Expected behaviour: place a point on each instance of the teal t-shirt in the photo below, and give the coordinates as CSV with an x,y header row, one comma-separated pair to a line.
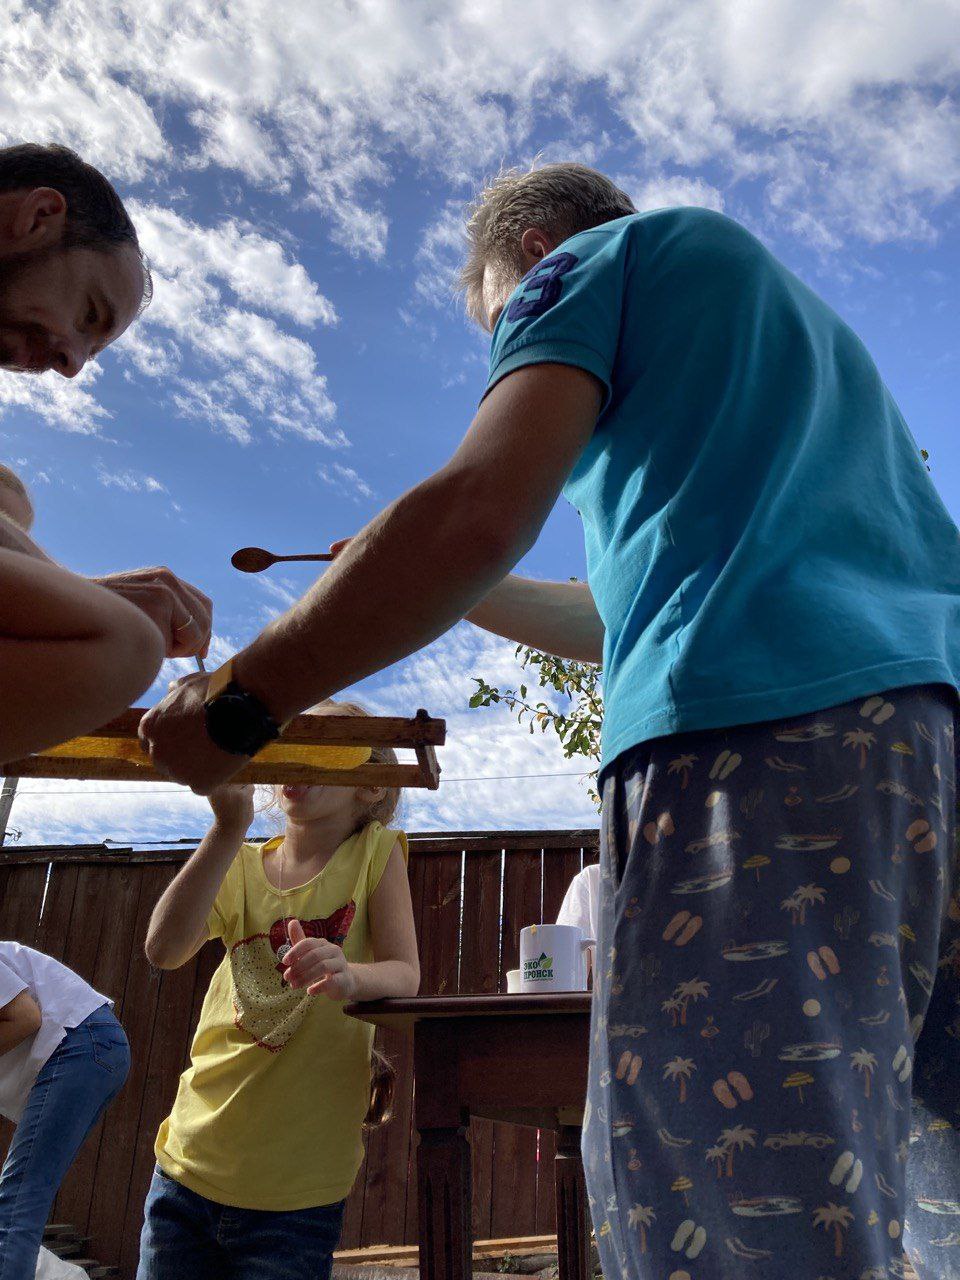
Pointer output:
x,y
762,536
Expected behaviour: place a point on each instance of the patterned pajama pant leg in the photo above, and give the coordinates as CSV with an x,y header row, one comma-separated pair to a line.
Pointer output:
x,y
775,1066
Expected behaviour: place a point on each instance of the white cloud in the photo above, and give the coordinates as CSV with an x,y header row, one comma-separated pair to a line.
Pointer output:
x,y
842,118
346,481
67,404
440,254
255,371
853,100
194,400
254,267
668,191
61,82
281,589
514,778
129,481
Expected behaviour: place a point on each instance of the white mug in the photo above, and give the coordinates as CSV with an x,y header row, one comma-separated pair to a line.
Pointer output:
x,y
513,982
553,958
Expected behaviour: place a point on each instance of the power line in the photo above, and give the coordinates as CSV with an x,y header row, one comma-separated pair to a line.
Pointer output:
x,y
185,794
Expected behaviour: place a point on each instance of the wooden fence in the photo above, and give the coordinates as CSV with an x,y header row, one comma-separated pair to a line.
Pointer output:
x,y
472,894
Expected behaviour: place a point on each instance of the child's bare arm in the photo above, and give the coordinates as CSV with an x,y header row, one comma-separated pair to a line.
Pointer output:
x,y
19,1020
395,970
178,925
323,969
72,654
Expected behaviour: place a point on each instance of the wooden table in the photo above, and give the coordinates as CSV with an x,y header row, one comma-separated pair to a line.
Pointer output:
x,y
517,1058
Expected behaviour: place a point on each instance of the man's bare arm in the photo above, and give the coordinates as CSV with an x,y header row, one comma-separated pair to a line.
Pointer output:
x,y
19,1020
411,574
557,617
72,655
417,568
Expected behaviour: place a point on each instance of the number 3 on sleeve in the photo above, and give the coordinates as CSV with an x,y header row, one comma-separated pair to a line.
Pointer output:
x,y
547,276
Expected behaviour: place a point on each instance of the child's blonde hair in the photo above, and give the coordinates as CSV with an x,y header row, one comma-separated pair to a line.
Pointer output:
x,y
383,810
10,481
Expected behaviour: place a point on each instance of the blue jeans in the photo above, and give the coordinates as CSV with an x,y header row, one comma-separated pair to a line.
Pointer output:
x,y
187,1237
70,1094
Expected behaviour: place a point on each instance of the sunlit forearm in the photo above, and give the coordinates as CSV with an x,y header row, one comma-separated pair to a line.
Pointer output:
x,y
557,617
382,599
434,554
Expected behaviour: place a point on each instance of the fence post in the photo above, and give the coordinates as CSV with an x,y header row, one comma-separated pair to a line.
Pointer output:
x,y
6,804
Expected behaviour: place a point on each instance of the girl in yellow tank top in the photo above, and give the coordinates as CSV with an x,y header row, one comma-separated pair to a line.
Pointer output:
x,y
263,1141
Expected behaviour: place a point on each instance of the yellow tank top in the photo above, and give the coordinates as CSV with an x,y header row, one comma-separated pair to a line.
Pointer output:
x,y
268,1115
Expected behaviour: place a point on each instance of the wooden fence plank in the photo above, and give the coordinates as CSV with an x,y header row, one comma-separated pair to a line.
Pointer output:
x,y
480,972
397,1151
418,874
58,908
171,1027
514,1194
559,868
120,955
124,1123
22,889
97,947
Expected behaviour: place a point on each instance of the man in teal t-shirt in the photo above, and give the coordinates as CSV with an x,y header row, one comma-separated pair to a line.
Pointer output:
x,y
762,535
779,590
774,592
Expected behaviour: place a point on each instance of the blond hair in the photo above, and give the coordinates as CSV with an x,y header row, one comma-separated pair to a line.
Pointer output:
x,y
383,810
11,481
560,199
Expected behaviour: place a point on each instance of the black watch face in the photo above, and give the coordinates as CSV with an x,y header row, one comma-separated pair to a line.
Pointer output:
x,y
234,725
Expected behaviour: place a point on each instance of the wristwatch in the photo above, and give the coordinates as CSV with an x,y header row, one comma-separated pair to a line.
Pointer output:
x,y
237,721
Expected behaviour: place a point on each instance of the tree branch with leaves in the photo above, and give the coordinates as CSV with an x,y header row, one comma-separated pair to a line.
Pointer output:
x,y
577,724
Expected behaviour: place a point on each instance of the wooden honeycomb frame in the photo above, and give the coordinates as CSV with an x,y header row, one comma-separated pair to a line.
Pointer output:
x,y
126,763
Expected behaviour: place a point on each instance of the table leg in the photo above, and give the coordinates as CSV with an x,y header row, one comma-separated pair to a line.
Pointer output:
x,y
573,1211
444,1204
444,1184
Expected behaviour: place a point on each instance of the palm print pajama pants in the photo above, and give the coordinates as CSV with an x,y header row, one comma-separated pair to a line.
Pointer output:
x,y
775,1062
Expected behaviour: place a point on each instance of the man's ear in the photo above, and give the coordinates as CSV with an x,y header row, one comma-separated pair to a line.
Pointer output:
x,y
40,218
536,244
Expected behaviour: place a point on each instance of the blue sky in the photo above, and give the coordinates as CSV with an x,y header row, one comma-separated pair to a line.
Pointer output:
x,y
299,187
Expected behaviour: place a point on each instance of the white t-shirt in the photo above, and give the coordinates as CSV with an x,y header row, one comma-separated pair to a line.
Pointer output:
x,y
64,1000
581,904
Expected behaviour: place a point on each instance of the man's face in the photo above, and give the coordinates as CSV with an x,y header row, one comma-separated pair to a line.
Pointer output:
x,y
60,307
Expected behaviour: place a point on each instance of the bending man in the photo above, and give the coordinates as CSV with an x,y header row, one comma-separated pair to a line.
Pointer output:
x,y
777,592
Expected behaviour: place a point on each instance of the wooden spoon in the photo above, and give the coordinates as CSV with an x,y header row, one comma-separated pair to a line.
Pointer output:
x,y
255,559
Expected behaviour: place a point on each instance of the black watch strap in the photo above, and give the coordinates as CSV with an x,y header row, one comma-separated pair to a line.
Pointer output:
x,y
238,722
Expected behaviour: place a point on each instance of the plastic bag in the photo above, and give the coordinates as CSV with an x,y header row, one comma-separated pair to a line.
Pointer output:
x,y
50,1267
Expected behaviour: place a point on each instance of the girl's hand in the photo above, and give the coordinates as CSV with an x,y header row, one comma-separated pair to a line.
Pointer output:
x,y
318,965
232,807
